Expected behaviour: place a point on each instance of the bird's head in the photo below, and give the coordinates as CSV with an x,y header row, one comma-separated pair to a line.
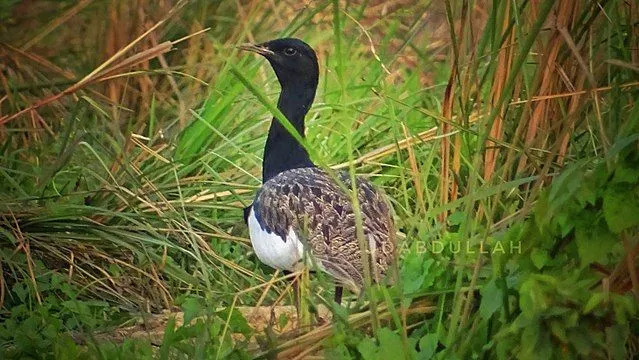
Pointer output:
x,y
293,60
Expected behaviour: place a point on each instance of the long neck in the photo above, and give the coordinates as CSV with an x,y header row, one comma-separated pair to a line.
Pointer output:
x,y
282,152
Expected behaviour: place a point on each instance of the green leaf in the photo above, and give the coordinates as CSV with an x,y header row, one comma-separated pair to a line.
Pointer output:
x,y
427,346
457,218
580,340
237,321
616,338
621,207
594,242
414,271
567,183
565,221
621,144
625,307
626,173
588,192
282,320
491,299
558,330
167,339
191,308
367,349
533,299
594,301
390,344
542,211
539,257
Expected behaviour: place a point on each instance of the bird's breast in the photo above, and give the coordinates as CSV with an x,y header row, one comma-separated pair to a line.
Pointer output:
x,y
272,249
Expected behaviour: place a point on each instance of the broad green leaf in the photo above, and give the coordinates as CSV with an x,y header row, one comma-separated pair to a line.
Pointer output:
x,y
588,192
580,341
621,207
414,271
390,344
533,299
594,301
558,330
616,338
626,173
367,349
492,298
427,346
594,243
237,321
539,257
191,308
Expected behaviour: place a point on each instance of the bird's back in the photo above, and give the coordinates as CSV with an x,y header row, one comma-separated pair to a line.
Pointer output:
x,y
306,206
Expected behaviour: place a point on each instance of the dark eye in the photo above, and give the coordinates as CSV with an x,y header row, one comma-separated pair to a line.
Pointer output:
x,y
290,51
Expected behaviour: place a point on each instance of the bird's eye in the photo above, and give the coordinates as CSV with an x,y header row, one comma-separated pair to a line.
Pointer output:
x,y
290,51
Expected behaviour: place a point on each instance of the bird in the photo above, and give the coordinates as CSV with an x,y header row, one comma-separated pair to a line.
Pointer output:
x,y
301,212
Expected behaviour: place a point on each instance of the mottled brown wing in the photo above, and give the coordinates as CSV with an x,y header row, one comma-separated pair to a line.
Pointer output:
x,y
321,213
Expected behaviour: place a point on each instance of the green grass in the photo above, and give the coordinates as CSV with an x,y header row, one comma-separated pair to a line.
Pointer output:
x,y
126,197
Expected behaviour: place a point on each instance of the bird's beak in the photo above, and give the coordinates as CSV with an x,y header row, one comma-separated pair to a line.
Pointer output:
x,y
260,49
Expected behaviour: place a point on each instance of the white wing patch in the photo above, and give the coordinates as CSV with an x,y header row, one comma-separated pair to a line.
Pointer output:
x,y
272,250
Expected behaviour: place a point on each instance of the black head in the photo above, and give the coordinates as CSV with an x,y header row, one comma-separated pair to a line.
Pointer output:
x,y
293,60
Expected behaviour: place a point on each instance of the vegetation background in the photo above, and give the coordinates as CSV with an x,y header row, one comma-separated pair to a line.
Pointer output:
x,y
131,138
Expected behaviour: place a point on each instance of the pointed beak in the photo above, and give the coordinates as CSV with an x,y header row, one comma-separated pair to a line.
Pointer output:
x,y
260,49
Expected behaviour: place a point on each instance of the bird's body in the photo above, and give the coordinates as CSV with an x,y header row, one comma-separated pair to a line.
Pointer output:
x,y
300,209
305,208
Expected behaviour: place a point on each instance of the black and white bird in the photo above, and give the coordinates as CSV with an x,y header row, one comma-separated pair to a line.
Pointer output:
x,y
300,210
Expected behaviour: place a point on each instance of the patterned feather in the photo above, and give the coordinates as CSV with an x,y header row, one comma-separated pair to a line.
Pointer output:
x,y
320,213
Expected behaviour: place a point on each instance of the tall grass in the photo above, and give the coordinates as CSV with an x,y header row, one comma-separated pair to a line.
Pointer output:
x,y
126,185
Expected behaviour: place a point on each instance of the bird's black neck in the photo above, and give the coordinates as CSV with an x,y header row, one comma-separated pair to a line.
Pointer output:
x,y
282,152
